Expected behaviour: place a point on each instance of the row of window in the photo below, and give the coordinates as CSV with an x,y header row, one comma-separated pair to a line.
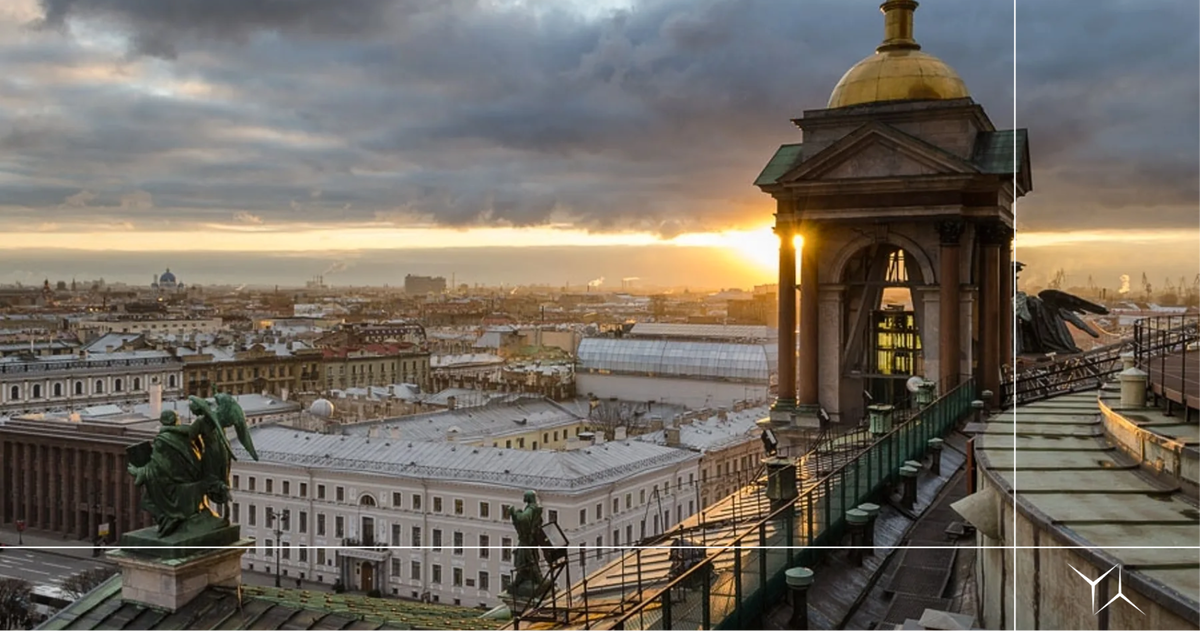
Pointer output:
x,y
241,374
484,510
483,549
339,531
58,388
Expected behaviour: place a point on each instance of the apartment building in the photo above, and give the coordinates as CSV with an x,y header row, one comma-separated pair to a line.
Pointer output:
x,y
430,519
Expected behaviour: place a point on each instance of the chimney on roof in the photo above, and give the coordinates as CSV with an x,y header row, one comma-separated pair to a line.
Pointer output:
x,y
722,414
656,423
156,398
672,436
283,394
451,402
620,433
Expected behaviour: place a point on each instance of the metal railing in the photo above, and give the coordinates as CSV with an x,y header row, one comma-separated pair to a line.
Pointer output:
x,y
1067,374
1164,346
735,582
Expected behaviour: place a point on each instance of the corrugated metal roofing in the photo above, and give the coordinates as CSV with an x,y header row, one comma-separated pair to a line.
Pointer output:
x,y
712,433
471,423
510,468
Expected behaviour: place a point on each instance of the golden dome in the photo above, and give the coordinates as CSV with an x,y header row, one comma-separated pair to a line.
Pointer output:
x,y
898,71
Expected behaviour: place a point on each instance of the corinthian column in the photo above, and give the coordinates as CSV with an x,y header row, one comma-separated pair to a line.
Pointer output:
x,y
949,324
785,401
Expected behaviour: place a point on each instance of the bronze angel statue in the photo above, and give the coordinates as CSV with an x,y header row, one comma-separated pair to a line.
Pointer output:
x,y
185,471
1042,320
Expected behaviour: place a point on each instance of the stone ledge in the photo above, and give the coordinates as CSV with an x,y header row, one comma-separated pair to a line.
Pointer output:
x,y
1166,458
171,583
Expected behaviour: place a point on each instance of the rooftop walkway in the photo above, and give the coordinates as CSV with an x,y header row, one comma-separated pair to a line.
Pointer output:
x,y
1099,491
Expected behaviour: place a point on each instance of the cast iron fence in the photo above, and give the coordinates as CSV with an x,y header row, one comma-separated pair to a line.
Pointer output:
x,y
1166,348
735,582
1063,375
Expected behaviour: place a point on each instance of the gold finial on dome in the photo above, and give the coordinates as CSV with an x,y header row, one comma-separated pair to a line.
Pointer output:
x,y
898,71
898,26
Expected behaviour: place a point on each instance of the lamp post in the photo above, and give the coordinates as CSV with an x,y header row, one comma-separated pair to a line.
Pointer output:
x,y
280,521
96,508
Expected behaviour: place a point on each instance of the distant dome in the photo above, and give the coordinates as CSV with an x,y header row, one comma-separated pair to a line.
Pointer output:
x,y
166,278
322,408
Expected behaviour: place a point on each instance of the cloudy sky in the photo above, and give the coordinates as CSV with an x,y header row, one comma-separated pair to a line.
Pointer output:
x,y
354,135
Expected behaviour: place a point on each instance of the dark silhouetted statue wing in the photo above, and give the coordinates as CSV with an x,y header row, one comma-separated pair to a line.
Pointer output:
x,y
1062,300
1078,322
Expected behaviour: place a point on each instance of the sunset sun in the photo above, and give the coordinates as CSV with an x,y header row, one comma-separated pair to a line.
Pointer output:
x,y
759,246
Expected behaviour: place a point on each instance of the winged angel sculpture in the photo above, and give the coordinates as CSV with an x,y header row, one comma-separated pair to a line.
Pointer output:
x,y
185,471
1042,320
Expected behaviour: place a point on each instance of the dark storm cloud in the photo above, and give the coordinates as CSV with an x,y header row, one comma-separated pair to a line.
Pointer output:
x,y
468,112
158,25
1112,102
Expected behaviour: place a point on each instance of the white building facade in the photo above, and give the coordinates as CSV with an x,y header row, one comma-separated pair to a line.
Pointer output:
x,y
68,382
430,519
158,327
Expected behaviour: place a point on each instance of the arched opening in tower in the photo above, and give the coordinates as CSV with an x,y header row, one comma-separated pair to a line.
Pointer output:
x,y
883,326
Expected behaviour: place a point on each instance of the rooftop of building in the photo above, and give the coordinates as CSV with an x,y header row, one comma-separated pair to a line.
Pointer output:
x,y
112,340
402,391
465,360
709,433
140,415
1069,476
263,608
678,358
495,420
230,351
369,350
726,332
564,471
50,361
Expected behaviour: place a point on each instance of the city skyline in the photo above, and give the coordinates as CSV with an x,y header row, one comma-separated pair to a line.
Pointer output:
x,y
346,134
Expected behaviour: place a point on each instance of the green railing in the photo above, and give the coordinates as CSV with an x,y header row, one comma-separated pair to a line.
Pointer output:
x,y
737,582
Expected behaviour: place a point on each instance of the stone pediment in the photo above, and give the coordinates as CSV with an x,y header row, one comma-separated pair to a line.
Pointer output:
x,y
876,150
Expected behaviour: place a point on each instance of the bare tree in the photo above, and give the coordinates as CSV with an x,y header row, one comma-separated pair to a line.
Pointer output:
x,y
609,414
83,582
16,604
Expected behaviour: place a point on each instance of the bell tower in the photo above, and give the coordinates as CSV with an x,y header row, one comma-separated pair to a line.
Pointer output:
x,y
901,198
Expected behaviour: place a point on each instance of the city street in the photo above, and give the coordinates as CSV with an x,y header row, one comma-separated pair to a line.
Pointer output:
x,y
41,568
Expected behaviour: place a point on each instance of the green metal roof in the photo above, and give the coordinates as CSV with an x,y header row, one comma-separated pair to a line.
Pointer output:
x,y
1001,151
786,157
264,608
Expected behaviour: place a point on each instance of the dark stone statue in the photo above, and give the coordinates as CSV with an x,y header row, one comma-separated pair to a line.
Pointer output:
x,y
184,472
529,582
1042,320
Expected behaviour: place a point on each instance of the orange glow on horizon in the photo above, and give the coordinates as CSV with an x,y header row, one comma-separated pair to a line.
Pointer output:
x,y
759,246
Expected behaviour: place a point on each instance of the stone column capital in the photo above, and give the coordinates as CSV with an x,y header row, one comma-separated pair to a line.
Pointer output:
x,y
994,233
950,231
